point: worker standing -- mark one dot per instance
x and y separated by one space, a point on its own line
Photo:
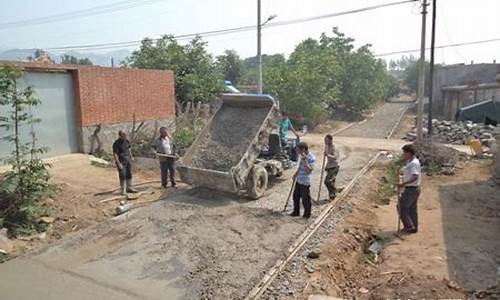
166 155
303 181
123 160
411 184
331 167
284 125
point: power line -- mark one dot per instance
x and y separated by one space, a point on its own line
229 30
113 7
441 47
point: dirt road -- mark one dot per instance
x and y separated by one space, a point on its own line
194 244
381 124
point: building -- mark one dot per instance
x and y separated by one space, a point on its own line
456 86
83 107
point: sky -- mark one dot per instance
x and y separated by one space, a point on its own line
386 29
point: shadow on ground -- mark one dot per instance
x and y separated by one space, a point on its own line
471 226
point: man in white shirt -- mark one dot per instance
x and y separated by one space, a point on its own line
166 155
411 184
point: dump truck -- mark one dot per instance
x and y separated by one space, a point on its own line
228 154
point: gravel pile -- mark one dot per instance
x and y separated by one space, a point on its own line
230 134
458 133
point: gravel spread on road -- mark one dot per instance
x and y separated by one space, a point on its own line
229 136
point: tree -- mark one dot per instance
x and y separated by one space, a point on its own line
410 74
196 75
325 75
72 60
250 67
230 66
23 188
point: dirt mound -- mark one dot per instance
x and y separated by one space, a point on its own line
231 132
437 156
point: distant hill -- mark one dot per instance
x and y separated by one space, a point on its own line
101 59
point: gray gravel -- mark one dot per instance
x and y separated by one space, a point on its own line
380 124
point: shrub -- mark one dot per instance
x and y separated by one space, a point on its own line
24 187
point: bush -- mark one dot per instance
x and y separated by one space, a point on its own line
387 189
184 137
24 187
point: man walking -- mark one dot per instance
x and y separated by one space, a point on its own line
411 184
123 160
303 181
166 155
331 167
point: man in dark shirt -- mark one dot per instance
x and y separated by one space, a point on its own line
123 160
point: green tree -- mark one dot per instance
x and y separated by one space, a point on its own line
72 60
411 74
325 75
196 75
230 66
23 188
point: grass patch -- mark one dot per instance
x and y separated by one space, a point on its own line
387 188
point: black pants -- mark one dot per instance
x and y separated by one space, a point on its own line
302 192
126 171
167 165
408 207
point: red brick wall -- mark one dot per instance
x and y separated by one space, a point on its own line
114 95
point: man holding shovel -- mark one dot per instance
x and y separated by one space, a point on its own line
331 166
164 149
303 181
411 191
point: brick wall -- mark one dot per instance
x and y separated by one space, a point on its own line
115 95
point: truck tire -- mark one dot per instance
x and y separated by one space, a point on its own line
257 182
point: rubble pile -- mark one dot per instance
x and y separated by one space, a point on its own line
458 133
436 158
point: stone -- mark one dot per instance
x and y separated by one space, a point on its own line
322 297
47 220
5 243
310 268
448 171
314 254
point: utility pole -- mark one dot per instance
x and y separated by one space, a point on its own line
431 69
259 54
421 77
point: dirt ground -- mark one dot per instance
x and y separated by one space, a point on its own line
454 253
192 244
74 205
405 126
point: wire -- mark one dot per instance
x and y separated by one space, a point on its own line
117 6
228 30
441 47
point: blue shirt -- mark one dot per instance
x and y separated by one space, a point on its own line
302 177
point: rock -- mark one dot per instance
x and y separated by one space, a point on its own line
5 243
47 220
375 247
448 171
323 297
99 162
310 268
314 254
